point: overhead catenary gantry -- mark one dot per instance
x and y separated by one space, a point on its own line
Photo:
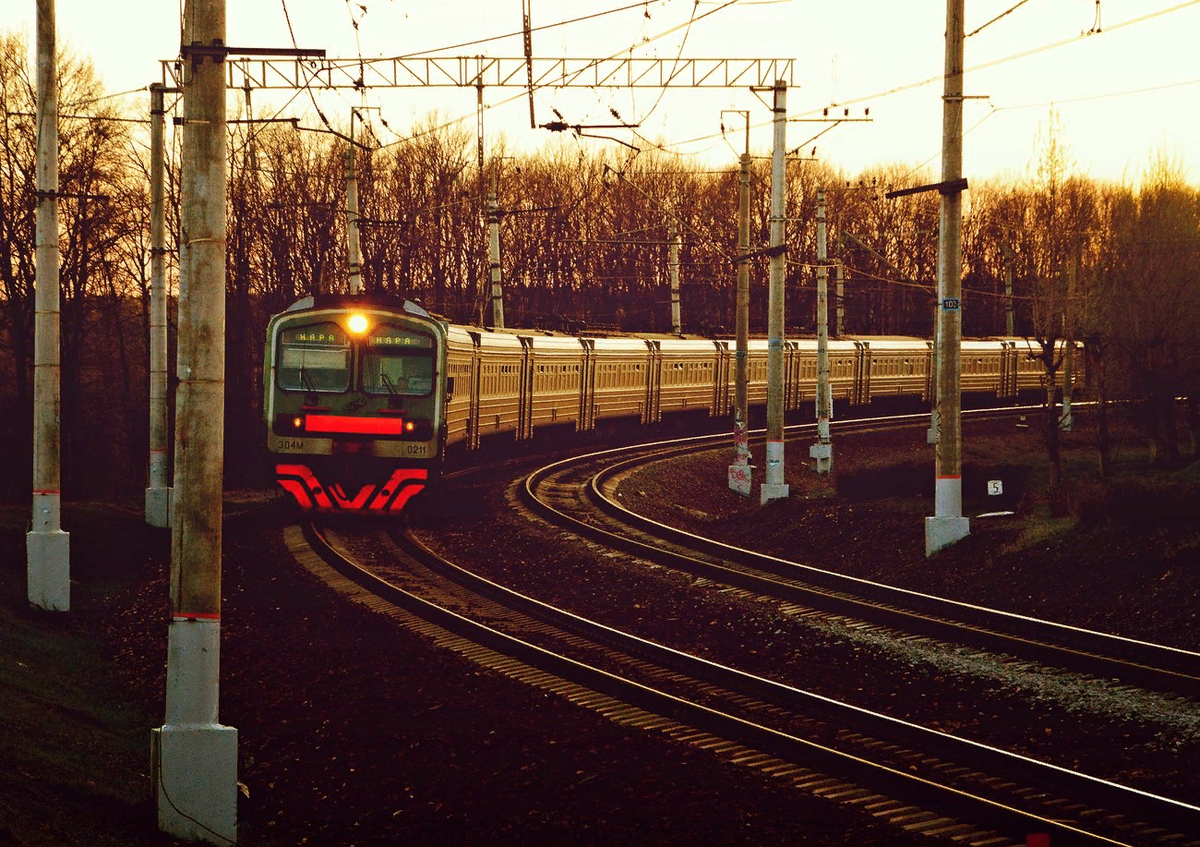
471 71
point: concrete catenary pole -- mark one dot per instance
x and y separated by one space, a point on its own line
353 251
774 487
673 268
194 757
740 472
1067 421
822 451
158 491
948 525
47 547
1009 318
494 259
841 298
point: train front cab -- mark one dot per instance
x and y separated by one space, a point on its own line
353 404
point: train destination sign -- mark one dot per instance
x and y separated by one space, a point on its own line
396 337
326 334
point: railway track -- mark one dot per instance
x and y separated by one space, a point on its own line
921 780
579 494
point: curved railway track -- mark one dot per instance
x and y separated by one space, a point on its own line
579 494
921 780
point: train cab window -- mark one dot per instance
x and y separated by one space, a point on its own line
314 358
397 361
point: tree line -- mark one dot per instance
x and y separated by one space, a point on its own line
584 244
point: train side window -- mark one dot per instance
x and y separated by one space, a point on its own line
314 358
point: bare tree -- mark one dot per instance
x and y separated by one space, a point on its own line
1155 264
1062 210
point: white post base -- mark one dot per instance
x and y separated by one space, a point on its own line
941 532
194 768
772 491
822 454
158 507
48 570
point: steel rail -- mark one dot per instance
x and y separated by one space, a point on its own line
913 788
1137 662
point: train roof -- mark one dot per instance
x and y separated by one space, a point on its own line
343 301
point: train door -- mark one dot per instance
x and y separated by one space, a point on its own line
930 373
476 380
1008 370
525 391
586 421
791 375
720 403
860 393
652 408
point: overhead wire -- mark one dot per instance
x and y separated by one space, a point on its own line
518 33
539 86
879 95
998 17
307 84
1021 55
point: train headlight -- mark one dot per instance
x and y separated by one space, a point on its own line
357 323
297 422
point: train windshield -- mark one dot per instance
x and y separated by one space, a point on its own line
397 361
314 358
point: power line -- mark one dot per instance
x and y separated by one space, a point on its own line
998 17
1033 51
521 32
1023 54
539 87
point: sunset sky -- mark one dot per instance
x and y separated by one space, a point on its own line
1123 75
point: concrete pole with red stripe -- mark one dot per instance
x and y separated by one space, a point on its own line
948 525
47 547
194 757
774 487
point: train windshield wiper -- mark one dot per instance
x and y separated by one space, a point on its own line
387 382
306 381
